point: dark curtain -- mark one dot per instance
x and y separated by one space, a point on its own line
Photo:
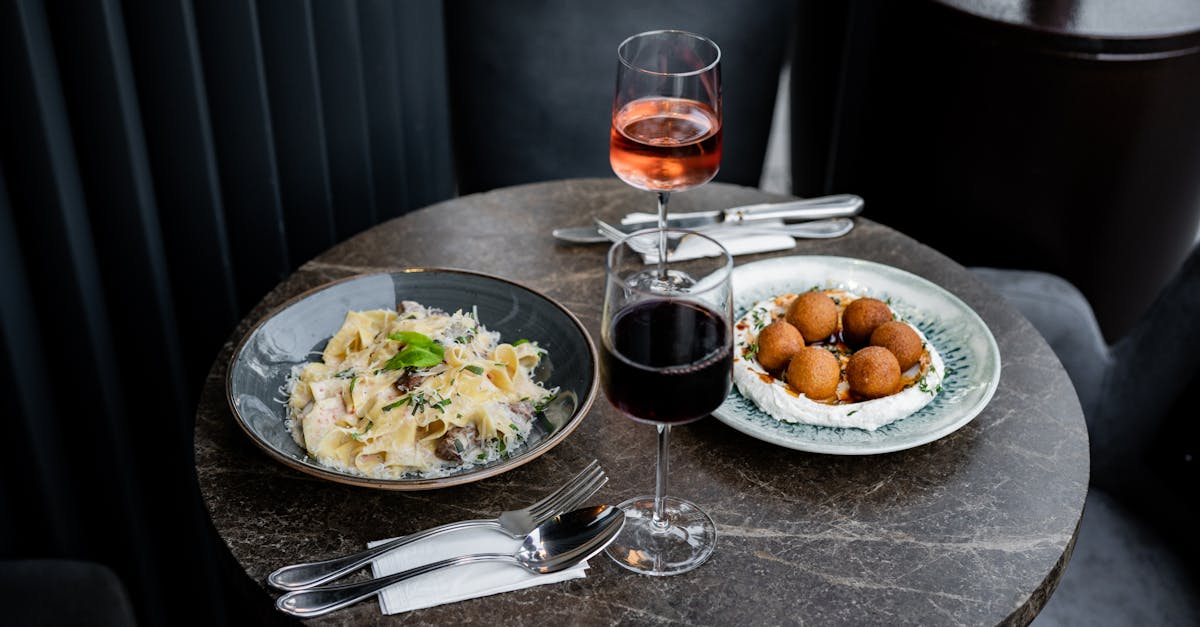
164 164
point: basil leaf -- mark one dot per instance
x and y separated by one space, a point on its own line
413 356
420 357
520 342
475 369
412 338
395 363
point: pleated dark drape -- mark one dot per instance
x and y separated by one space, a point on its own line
164 164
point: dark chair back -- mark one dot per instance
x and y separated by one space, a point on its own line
531 83
1059 136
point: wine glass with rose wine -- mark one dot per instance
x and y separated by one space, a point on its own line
666 117
666 359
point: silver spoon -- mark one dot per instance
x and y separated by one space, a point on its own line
557 544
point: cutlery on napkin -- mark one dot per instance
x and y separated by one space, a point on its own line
836 206
460 582
734 239
824 207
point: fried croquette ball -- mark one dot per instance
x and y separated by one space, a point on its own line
873 372
860 319
901 340
814 372
814 314
777 342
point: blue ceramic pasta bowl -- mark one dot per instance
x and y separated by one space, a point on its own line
297 331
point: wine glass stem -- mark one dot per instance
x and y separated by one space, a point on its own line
663 197
660 478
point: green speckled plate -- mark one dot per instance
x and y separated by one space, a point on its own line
960 336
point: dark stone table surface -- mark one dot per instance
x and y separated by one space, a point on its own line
972 529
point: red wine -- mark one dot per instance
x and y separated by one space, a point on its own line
667 361
665 144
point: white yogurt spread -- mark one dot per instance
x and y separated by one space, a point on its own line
777 399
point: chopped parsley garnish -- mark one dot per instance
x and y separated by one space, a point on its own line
520 342
419 402
345 374
475 369
541 406
364 431
353 380
403 399
923 384
759 323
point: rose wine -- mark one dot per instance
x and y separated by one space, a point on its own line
665 144
667 361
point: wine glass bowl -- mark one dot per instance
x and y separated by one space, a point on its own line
666 359
666 120
667 343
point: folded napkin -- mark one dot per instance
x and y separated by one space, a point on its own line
457 583
736 242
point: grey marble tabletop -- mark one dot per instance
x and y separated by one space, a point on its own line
974 528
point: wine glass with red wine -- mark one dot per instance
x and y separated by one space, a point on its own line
666 118
666 359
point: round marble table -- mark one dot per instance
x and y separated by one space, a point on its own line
973 529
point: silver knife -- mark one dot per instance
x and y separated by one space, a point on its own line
840 205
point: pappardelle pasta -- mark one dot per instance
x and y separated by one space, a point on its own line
415 392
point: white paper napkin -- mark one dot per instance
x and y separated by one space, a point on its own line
737 243
456 583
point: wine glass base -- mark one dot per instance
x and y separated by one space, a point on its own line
684 543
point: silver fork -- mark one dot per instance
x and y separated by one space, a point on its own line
813 229
641 245
516 523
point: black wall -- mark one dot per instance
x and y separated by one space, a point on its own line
164 164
